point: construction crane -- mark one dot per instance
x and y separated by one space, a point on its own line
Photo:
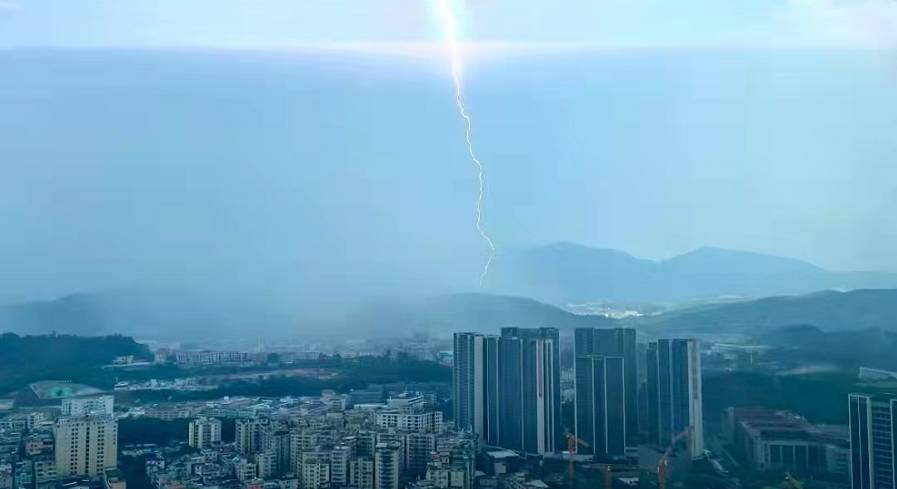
664 460
572 443
793 482
609 470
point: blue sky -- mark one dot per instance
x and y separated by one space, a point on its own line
603 23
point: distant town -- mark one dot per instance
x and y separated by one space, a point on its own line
528 408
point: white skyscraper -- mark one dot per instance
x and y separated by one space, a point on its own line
386 465
361 473
82 406
204 432
86 445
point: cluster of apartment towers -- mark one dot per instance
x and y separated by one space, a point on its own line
507 390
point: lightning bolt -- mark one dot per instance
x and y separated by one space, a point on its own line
451 40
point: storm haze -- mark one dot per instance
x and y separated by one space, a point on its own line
294 176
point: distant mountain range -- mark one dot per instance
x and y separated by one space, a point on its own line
565 274
78 359
165 316
828 311
160 314
466 312
866 347
707 290
142 313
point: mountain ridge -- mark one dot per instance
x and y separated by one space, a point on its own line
567 273
146 315
827 311
855 310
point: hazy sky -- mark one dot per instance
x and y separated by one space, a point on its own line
653 127
607 23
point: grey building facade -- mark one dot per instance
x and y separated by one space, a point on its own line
468 377
507 388
615 342
873 441
674 392
601 405
530 379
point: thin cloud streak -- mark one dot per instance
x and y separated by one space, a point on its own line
511 27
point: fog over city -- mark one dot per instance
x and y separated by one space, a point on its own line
289 176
